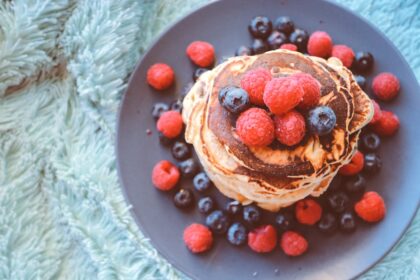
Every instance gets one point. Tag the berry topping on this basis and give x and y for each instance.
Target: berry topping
(293, 244)
(387, 125)
(386, 86)
(320, 44)
(158, 109)
(184, 199)
(338, 201)
(243, 50)
(160, 76)
(218, 222)
(377, 113)
(363, 61)
(206, 205)
(201, 53)
(328, 223)
(170, 124)
(284, 24)
(188, 168)
(356, 184)
(180, 150)
(311, 90)
(259, 46)
(254, 83)
(347, 221)
(276, 39)
(237, 234)
(263, 239)
(233, 99)
(282, 94)
(290, 128)
(198, 72)
(299, 38)
(373, 163)
(198, 238)
(371, 208)
(361, 81)
(251, 214)
(290, 47)
(308, 211)
(370, 142)
(260, 27)
(176, 105)
(285, 221)
(343, 53)
(201, 182)
(255, 127)
(321, 120)
(165, 141)
(165, 175)
(233, 208)
(354, 166)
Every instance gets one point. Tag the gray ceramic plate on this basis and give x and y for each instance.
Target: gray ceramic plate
(339, 256)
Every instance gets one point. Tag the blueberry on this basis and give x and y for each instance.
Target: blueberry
(355, 184)
(373, 163)
(188, 167)
(184, 198)
(300, 38)
(285, 221)
(328, 223)
(252, 214)
(201, 182)
(235, 100)
(180, 150)
(176, 105)
(335, 184)
(347, 222)
(198, 72)
(321, 120)
(260, 27)
(206, 205)
(233, 207)
(276, 39)
(338, 202)
(370, 142)
(243, 50)
(237, 234)
(165, 141)
(158, 109)
(259, 46)
(284, 25)
(218, 222)
(361, 81)
(363, 61)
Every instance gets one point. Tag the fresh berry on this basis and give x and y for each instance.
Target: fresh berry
(170, 124)
(354, 166)
(276, 39)
(260, 27)
(370, 142)
(282, 94)
(252, 214)
(180, 150)
(373, 163)
(328, 223)
(285, 221)
(263, 239)
(235, 100)
(321, 120)
(218, 222)
(293, 244)
(284, 24)
(198, 72)
(243, 50)
(223, 92)
(165, 175)
(188, 168)
(363, 61)
(184, 199)
(361, 81)
(343, 53)
(160, 76)
(290, 128)
(299, 38)
(320, 44)
(386, 86)
(158, 109)
(311, 90)
(259, 46)
(206, 205)
(338, 201)
(377, 113)
(165, 141)
(237, 234)
(308, 211)
(198, 238)
(233, 208)
(290, 47)
(176, 105)
(201, 53)
(255, 127)
(347, 222)
(254, 82)
(202, 182)
(387, 125)
(356, 184)
(371, 208)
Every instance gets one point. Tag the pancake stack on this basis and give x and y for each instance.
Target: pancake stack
(275, 176)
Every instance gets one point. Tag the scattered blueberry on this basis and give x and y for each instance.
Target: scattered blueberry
(201, 182)
(206, 205)
(237, 234)
(259, 46)
(361, 81)
(373, 163)
(188, 167)
(252, 214)
(338, 201)
(285, 221)
(158, 109)
(370, 142)
(243, 50)
(198, 72)
(233, 99)
(165, 141)
(180, 150)
(260, 27)
(363, 61)
(347, 222)
(300, 38)
(218, 222)
(355, 184)
(223, 92)
(184, 198)
(284, 25)
(233, 207)
(321, 120)
(177, 105)
(276, 39)
(328, 223)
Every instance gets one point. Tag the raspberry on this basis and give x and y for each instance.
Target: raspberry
(290, 47)
(290, 128)
(282, 94)
(308, 211)
(343, 53)
(386, 86)
(293, 244)
(387, 125)
(165, 175)
(371, 208)
(320, 44)
(254, 83)
(355, 166)
(255, 127)
(198, 238)
(263, 239)
(170, 124)
(160, 76)
(311, 90)
(377, 112)
(201, 53)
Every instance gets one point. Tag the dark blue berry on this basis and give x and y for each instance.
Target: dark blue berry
(355, 184)
(252, 214)
(276, 39)
(243, 50)
(233, 207)
(165, 141)
(158, 109)
(347, 222)
(188, 167)
(321, 120)
(177, 105)
(184, 198)
(235, 100)
(300, 38)
(328, 223)
(284, 25)
(363, 62)
(370, 142)
(206, 205)
(218, 222)
(285, 221)
(237, 234)
(373, 163)
(180, 150)
(201, 182)
(260, 46)
(338, 201)
(361, 81)
(260, 27)
(198, 72)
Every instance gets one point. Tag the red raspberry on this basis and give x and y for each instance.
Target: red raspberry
(387, 125)
(201, 53)
(263, 239)
(290, 128)
(320, 44)
(308, 211)
(165, 175)
(355, 166)
(371, 208)
(160, 76)
(343, 53)
(290, 47)
(293, 244)
(311, 90)
(254, 83)
(386, 86)
(198, 238)
(255, 127)
(170, 124)
(377, 112)
(282, 94)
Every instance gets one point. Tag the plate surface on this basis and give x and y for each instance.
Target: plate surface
(339, 256)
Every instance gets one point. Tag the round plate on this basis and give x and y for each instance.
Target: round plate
(340, 256)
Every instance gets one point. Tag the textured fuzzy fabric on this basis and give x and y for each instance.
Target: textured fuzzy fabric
(63, 67)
